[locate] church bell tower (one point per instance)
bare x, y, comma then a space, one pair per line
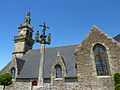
23, 41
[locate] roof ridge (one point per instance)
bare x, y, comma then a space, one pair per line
54, 47
63, 46
116, 36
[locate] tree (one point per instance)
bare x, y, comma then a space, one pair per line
117, 81
5, 79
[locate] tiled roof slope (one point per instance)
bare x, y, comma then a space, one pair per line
20, 64
32, 58
117, 38
4, 70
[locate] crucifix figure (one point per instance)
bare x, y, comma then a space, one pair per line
44, 28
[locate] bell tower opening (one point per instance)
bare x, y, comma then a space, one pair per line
23, 41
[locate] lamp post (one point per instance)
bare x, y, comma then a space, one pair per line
42, 39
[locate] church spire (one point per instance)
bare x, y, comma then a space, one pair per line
27, 19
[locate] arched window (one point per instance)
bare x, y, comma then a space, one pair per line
13, 72
101, 60
58, 71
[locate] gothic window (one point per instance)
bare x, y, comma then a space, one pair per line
101, 60
58, 71
13, 72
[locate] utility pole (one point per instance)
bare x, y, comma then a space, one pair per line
43, 41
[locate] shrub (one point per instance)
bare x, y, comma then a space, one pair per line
117, 81
5, 79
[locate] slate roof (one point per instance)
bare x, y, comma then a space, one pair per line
5, 68
117, 38
32, 58
20, 63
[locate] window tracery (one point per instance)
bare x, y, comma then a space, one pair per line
101, 60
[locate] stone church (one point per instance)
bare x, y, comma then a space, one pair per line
89, 65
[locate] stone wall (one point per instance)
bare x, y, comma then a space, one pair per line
87, 74
58, 85
21, 85
71, 84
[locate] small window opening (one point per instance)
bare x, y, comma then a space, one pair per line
13, 72
58, 71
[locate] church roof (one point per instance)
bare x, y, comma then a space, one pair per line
4, 70
32, 60
20, 63
117, 38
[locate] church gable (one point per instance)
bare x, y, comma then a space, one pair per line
86, 64
58, 68
98, 36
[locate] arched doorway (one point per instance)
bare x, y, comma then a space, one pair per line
34, 83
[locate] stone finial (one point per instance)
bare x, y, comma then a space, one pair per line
95, 27
28, 13
27, 19
58, 54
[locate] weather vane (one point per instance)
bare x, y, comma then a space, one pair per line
43, 37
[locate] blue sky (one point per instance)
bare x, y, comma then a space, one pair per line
69, 20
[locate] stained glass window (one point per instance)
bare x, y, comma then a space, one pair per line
101, 60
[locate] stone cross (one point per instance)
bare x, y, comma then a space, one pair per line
43, 41
44, 27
